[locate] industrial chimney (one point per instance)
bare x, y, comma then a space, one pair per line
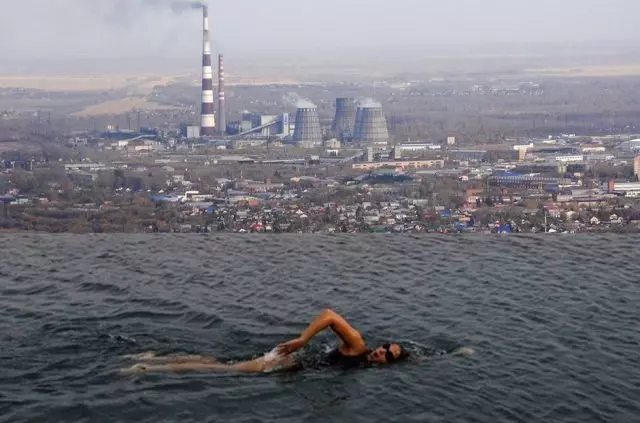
344, 120
371, 124
307, 133
207, 116
222, 120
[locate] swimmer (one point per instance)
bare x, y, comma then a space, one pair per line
353, 351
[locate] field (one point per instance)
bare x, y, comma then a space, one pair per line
142, 84
632, 69
26, 147
85, 96
123, 105
481, 98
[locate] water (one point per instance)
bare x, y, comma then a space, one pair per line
552, 320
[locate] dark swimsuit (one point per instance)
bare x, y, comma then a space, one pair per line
333, 359
336, 359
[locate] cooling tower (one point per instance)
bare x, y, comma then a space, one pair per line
207, 116
307, 132
357, 121
344, 120
371, 124
222, 120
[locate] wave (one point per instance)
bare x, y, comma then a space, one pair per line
549, 316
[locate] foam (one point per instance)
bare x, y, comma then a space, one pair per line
272, 356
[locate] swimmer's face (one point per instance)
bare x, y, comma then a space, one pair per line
385, 353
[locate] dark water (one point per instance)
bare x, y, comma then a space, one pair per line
553, 321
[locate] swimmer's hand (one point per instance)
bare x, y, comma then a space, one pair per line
290, 347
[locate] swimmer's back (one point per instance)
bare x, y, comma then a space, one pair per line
336, 359
333, 359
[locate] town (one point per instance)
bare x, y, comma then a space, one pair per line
464, 149
563, 184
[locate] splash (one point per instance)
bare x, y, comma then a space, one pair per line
438, 347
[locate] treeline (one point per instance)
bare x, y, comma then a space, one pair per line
133, 213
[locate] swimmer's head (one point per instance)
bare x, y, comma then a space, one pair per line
387, 353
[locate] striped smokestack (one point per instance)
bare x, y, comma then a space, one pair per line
208, 118
222, 120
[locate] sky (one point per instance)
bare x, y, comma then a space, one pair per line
148, 28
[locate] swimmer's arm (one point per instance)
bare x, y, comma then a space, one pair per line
329, 318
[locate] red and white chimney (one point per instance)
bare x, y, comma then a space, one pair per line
207, 115
222, 120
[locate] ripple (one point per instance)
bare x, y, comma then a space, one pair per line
553, 321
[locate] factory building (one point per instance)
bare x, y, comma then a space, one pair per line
467, 155
257, 125
516, 180
629, 189
400, 164
569, 158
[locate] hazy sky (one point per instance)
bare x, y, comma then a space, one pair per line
113, 28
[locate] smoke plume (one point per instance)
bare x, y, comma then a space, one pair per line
181, 6
368, 103
299, 102
176, 6
127, 12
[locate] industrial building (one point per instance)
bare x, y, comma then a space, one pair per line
345, 119
307, 133
189, 131
402, 164
362, 122
468, 155
517, 180
254, 125
370, 124
628, 189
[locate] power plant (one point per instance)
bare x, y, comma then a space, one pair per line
344, 120
207, 116
371, 124
307, 131
361, 122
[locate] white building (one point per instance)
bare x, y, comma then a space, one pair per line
631, 189
570, 158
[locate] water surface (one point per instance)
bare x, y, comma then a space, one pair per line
553, 321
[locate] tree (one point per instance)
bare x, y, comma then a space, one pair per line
118, 179
24, 181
